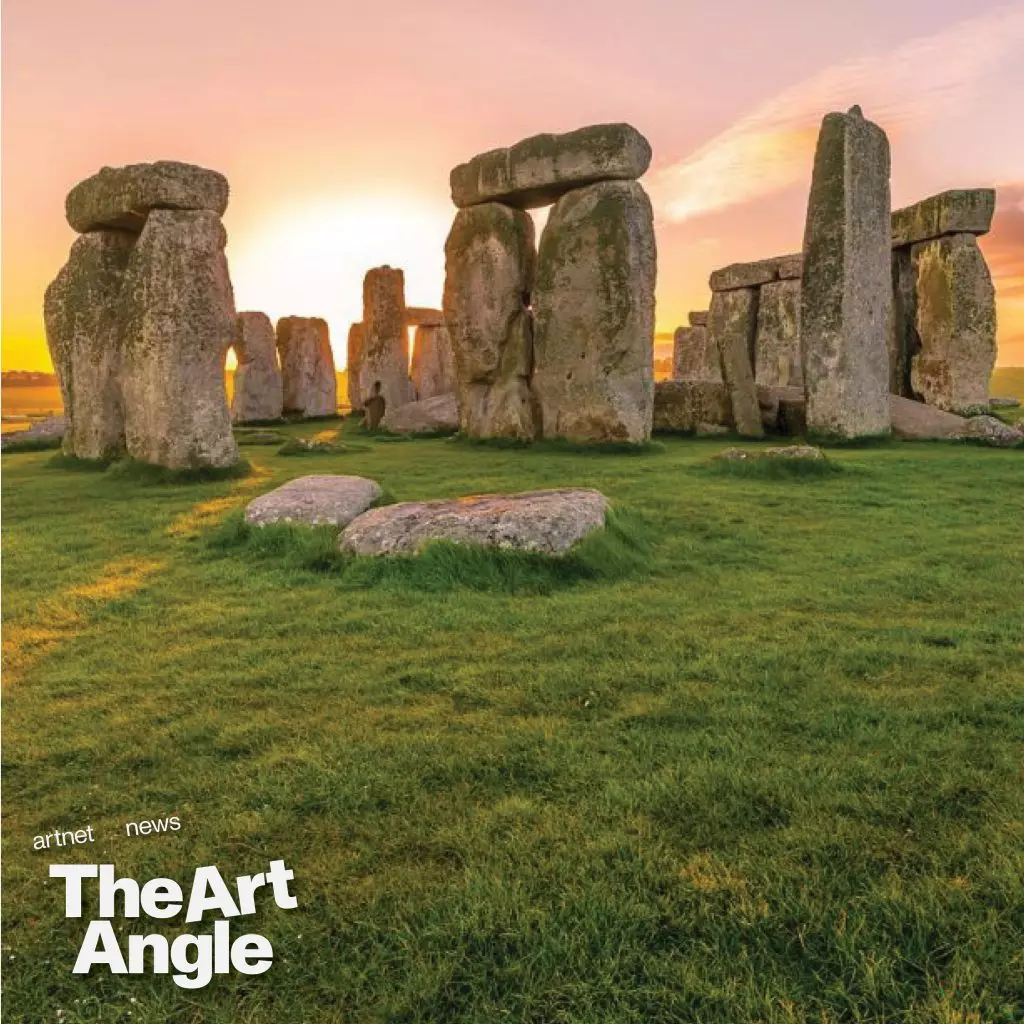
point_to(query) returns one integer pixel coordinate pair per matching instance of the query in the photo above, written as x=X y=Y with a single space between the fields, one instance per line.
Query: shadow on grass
x=143 y=473
x=76 y=465
x=37 y=444
x=620 y=550
x=560 y=445
x=302 y=446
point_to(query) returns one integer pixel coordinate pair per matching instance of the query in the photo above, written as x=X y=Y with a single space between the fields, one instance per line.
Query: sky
x=337 y=123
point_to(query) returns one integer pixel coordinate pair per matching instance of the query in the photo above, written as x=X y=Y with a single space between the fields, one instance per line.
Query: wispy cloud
x=772 y=147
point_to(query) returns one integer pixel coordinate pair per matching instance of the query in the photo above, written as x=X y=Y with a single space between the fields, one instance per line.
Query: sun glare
x=309 y=260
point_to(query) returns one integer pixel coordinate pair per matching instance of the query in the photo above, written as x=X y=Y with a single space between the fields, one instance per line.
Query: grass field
x=771 y=771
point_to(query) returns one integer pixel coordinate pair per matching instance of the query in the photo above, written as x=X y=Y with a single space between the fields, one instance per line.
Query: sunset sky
x=337 y=123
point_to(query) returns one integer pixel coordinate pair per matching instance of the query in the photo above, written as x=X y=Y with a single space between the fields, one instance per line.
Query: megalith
x=693 y=356
x=489 y=274
x=777 y=358
x=433 y=366
x=354 y=365
x=309 y=383
x=178 y=322
x=732 y=326
x=258 y=391
x=385 y=338
x=594 y=315
x=83 y=331
x=846 y=296
x=955 y=320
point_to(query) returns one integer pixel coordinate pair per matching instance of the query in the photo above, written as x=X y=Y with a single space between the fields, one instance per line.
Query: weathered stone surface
x=771 y=399
x=440 y=412
x=955 y=323
x=915 y=420
x=49 y=431
x=1004 y=402
x=759 y=272
x=258 y=393
x=699 y=318
x=423 y=316
x=121 y=197
x=354 y=366
x=433 y=365
x=314 y=501
x=958 y=211
x=732 y=327
x=791 y=267
x=386 y=340
x=594 y=315
x=777 y=358
x=178 y=321
x=540 y=170
x=490 y=265
x=684 y=406
x=307 y=366
x=800 y=452
x=993 y=431
x=83 y=330
x=693 y=355
x=846 y=297
x=545 y=521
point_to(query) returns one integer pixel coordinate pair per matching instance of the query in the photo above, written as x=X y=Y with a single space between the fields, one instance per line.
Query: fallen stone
x=958 y=211
x=433 y=365
x=490 y=266
x=955 y=321
x=354 y=366
x=685 y=406
x=422 y=316
x=992 y=431
x=258 y=392
x=437 y=413
x=178 y=321
x=541 y=169
x=846 y=297
x=699 y=319
x=1000 y=402
x=314 y=501
x=593 y=307
x=81 y=310
x=550 y=522
x=693 y=355
x=122 y=197
x=48 y=432
x=732 y=327
x=802 y=452
x=385 y=338
x=917 y=421
x=309 y=383
x=777 y=359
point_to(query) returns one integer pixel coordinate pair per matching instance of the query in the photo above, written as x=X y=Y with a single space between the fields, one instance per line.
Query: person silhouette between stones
x=373 y=407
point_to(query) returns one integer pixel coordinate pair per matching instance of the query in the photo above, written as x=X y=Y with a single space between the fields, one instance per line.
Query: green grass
x=762 y=762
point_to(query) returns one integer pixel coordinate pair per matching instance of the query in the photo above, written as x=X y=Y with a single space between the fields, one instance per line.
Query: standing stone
x=489 y=275
x=732 y=325
x=777 y=359
x=81 y=313
x=693 y=356
x=904 y=343
x=846 y=297
x=433 y=367
x=179 y=320
x=354 y=365
x=258 y=393
x=386 y=339
x=955 y=321
x=594 y=313
x=307 y=366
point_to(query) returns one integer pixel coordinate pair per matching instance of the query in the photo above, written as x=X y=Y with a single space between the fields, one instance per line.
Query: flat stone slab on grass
x=549 y=522
x=1004 y=402
x=121 y=197
x=539 y=170
x=803 y=452
x=314 y=501
x=425 y=416
x=993 y=432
